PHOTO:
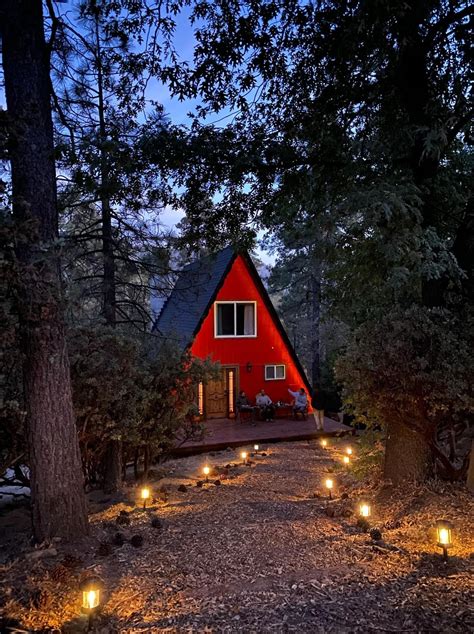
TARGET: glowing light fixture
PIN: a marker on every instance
(329, 484)
(145, 495)
(231, 391)
(444, 536)
(206, 470)
(346, 460)
(91, 589)
(201, 398)
(365, 510)
(324, 443)
(243, 455)
(349, 451)
(256, 448)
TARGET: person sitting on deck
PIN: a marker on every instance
(243, 405)
(265, 406)
(300, 404)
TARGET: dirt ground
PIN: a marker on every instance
(264, 551)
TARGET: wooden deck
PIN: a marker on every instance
(223, 432)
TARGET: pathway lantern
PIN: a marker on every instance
(91, 589)
(206, 470)
(329, 484)
(346, 460)
(444, 536)
(365, 509)
(243, 455)
(145, 495)
(349, 451)
(256, 448)
(324, 443)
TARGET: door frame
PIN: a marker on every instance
(231, 386)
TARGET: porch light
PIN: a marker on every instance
(329, 484)
(365, 510)
(444, 536)
(243, 455)
(346, 460)
(206, 470)
(91, 589)
(145, 495)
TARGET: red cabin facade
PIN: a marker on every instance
(238, 327)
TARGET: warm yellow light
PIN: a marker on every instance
(329, 483)
(364, 510)
(206, 471)
(231, 391)
(91, 589)
(256, 447)
(324, 443)
(444, 536)
(349, 451)
(346, 460)
(201, 398)
(243, 455)
(145, 493)
(90, 599)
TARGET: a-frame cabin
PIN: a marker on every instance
(219, 308)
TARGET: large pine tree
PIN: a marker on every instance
(57, 493)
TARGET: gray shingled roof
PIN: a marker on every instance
(192, 296)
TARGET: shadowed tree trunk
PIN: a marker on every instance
(57, 492)
(315, 319)
(407, 456)
(113, 454)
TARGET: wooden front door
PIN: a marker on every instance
(220, 394)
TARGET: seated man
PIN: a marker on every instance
(265, 405)
(243, 405)
(301, 402)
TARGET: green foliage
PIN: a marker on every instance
(130, 389)
(417, 367)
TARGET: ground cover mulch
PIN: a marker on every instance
(263, 551)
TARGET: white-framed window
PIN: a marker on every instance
(235, 319)
(275, 372)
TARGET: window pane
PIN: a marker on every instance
(270, 372)
(245, 319)
(225, 319)
(280, 371)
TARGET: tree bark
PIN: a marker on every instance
(57, 484)
(408, 455)
(113, 453)
(470, 470)
(316, 320)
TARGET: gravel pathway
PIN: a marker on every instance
(267, 552)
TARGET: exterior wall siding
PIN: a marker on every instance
(266, 348)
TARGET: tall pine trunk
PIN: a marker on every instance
(57, 491)
(315, 319)
(407, 454)
(112, 466)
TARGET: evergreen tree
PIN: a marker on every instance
(57, 495)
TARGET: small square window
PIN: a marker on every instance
(274, 372)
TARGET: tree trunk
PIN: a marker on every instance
(57, 484)
(470, 470)
(113, 466)
(113, 453)
(316, 321)
(407, 455)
